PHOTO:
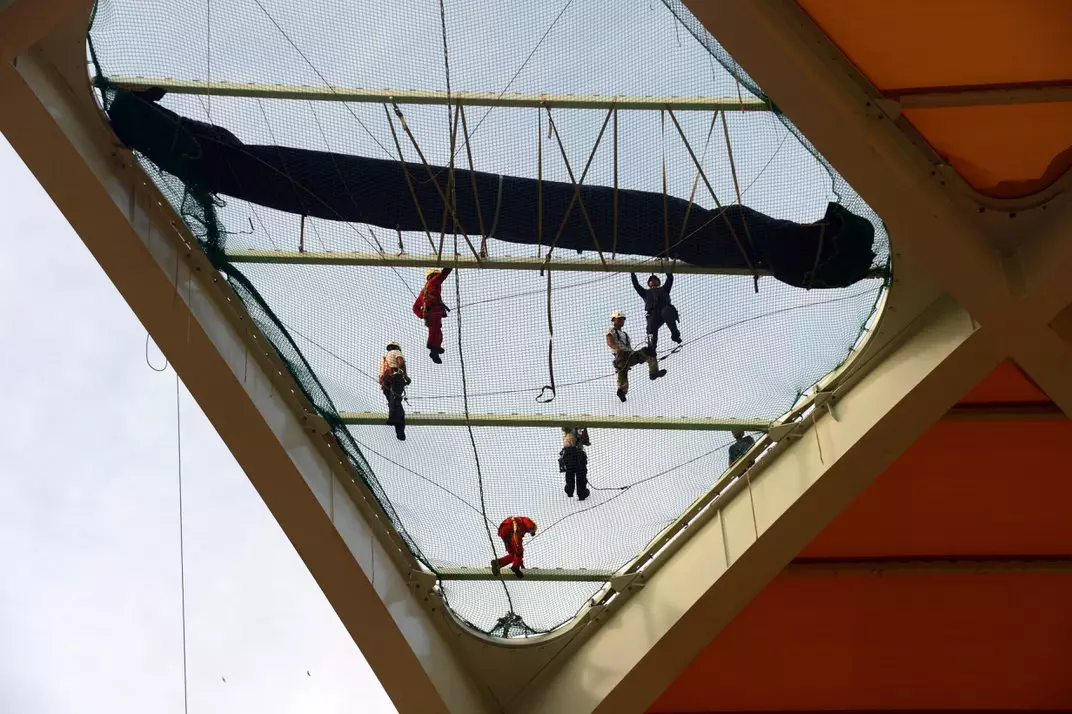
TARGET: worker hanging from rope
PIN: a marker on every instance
(393, 382)
(513, 531)
(657, 308)
(625, 357)
(573, 461)
(430, 307)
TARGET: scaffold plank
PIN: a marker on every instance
(428, 260)
(420, 96)
(541, 574)
(560, 420)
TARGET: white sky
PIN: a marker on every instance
(89, 596)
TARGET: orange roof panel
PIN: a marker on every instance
(923, 43)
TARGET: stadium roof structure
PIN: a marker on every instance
(843, 355)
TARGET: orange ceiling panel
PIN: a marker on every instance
(820, 642)
(941, 43)
(965, 488)
(1003, 151)
(1007, 383)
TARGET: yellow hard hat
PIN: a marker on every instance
(616, 314)
(431, 272)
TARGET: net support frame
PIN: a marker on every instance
(560, 420)
(413, 260)
(531, 574)
(434, 97)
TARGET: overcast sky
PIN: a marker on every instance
(90, 617)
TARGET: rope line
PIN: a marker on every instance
(182, 549)
(737, 189)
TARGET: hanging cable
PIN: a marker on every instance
(550, 351)
(476, 193)
(666, 199)
(539, 183)
(737, 189)
(148, 362)
(614, 239)
(182, 551)
(409, 181)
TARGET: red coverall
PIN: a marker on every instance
(429, 307)
(512, 531)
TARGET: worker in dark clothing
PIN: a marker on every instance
(740, 447)
(393, 382)
(657, 308)
(430, 307)
(573, 462)
(513, 531)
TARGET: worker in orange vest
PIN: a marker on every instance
(512, 531)
(430, 307)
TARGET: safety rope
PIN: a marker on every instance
(182, 549)
(435, 182)
(468, 424)
(452, 200)
(714, 196)
(576, 199)
(666, 199)
(737, 190)
(409, 183)
(614, 244)
(695, 184)
(539, 183)
(550, 351)
(472, 178)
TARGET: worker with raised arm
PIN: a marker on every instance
(430, 307)
(624, 355)
(513, 531)
(393, 381)
(657, 307)
(573, 461)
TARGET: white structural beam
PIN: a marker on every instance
(411, 96)
(428, 260)
(961, 242)
(49, 118)
(753, 534)
(559, 420)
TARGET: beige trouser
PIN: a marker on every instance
(630, 359)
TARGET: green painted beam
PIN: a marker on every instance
(427, 260)
(531, 574)
(560, 420)
(411, 96)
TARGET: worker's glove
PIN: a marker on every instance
(408, 381)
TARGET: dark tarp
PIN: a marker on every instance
(836, 252)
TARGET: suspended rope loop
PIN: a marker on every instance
(550, 350)
(721, 208)
(148, 361)
(472, 178)
(435, 182)
(539, 183)
(576, 199)
(737, 189)
(614, 244)
(409, 184)
(448, 208)
(666, 201)
(696, 181)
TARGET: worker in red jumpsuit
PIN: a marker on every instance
(429, 307)
(512, 531)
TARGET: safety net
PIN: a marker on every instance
(327, 155)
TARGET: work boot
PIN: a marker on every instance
(657, 374)
(676, 337)
(400, 431)
(569, 491)
(581, 495)
(621, 394)
(434, 354)
(495, 567)
(517, 571)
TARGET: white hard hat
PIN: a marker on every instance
(616, 314)
(394, 343)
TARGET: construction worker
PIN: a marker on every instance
(573, 462)
(657, 307)
(393, 382)
(624, 356)
(740, 447)
(430, 307)
(512, 531)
